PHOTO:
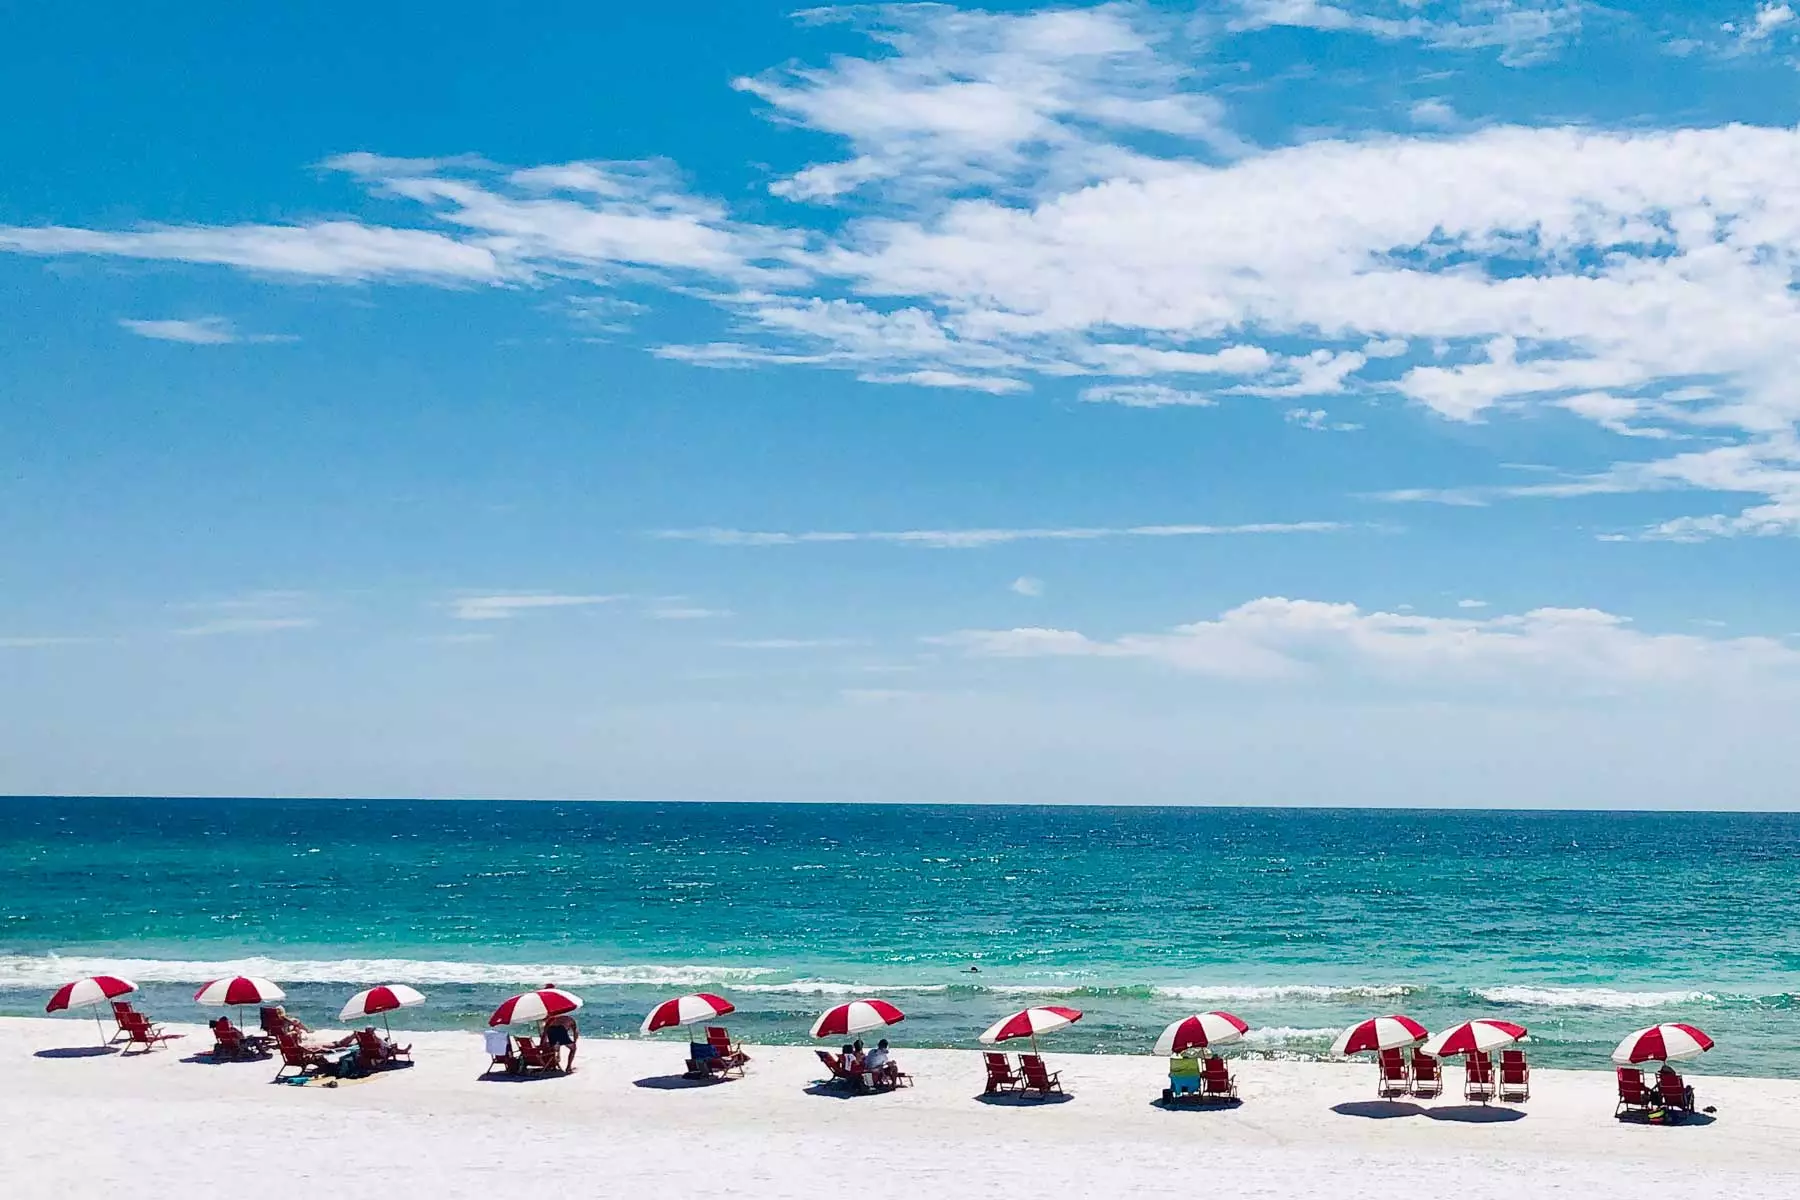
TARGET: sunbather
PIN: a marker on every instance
(880, 1062)
(561, 1032)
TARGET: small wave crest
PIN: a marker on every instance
(51, 970)
(1284, 1035)
(1295, 991)
(1590, 997)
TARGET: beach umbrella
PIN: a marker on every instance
(540, 1005)
(1380, 1033)
(383, 1000)
(1030, 1022)
(1201, 1031)
(90, 993)
(686, 1010)
(235, 991)
(1474, 1037)
(1662, 1043)
(858, 1016)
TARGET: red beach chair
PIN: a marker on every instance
(1037, 1078)
(376, 1052)
(1393, 1080)
(140, 1032)
(229, 1041)
(1478, 1076)
(535, 1057)
(730, 1051)
(1633, 1095)
(1673, 1091)
(298, 1059)
(1216, 1082)
(1000, 1076)
(1515, 1076)
(1427, 1076)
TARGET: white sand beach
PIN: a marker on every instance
(154, 1125)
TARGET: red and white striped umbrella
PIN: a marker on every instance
(1201, 1031)
(1380, 1033)
(858, 1016)
(1474, 1037)
(540, 1005)
(1029, 1023)
(686, 1010)
(84, 992)
(384, 999)
(1662, 1043)
(239, 990)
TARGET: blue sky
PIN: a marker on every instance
(1269, 401)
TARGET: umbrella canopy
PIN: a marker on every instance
(238, 990)
(383, 999)
(1201, 1031)
(1474, 1037)
(540, 1005)
(1380, 1033)
(858, 1016)
(85, 992)
(686, 1010)
(1662, 1043)
(1030, 1022)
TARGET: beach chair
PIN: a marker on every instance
(840, 1074)
(140, 1032)
(1037, 1078)
(1673, 1091)
(1000, 1076)
(273, 1020)
(1633, 1095)
(1427, 1076)
(534, 1056)
(122, 1015)
(1216, 1082)
(1515, 1077)
(229, 1041)
(730, 1051)
(378, 1052)
(299, 1060)
(1184, 1078)
(1478, 1076)
(1393, 1079)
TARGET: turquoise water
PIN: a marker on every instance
(1581, 926)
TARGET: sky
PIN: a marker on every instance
(1249, 402)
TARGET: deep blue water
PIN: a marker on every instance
(1581, 926)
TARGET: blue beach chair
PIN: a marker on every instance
(1184, 1077)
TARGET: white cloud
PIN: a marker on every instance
(1027, 585)
(969, 539)
(1145, 395)
(1524, 31)
(1471, 604)
(1763, 23)
(794, 643)
(1434, 113)
(31, 642)
(504, 606)
(229, 625)
(687, 612)
(1277, 638)
(198, 331)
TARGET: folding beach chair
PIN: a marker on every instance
(1478, 1076)
(298, 1060)
(1427, 1076)
(1184, 1078)
(1037, 1078)
(1515, 1076)
(1673, 1091)
(140, 1032)
(1393, 1079)
(1000, 1076)
(1633, 1095)
(1216, 1082)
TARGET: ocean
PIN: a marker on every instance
(1579, 925)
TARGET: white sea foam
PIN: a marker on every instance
(831, 987)
(1297, 991)
(1590, 997)
(41, 970)
(1281, 1035)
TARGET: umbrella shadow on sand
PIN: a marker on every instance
(1211, 1106)
(75, 1052)
(1695, 1119)
(1377, 1110)
(1468, 1114)
(206, 1058)
(675, 1083)
(522, 1077)
(1014, 1100)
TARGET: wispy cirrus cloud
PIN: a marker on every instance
(1054, 199)
(974, 539)
(197, 331)
(269, 610)
(503, 606)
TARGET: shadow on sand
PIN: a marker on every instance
(1475, 1114)
(75, 1052)
(1695, 1119)
(509, 1077)
(1225, 1105)
(1021, 1100)
(1377, 1110)
(677, 1083)
(205, 1058)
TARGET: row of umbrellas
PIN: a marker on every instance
(1657, 1043)
(1672, 1042)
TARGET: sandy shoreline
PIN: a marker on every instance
(622, 1126)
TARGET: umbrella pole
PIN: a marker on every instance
(98, 1027)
